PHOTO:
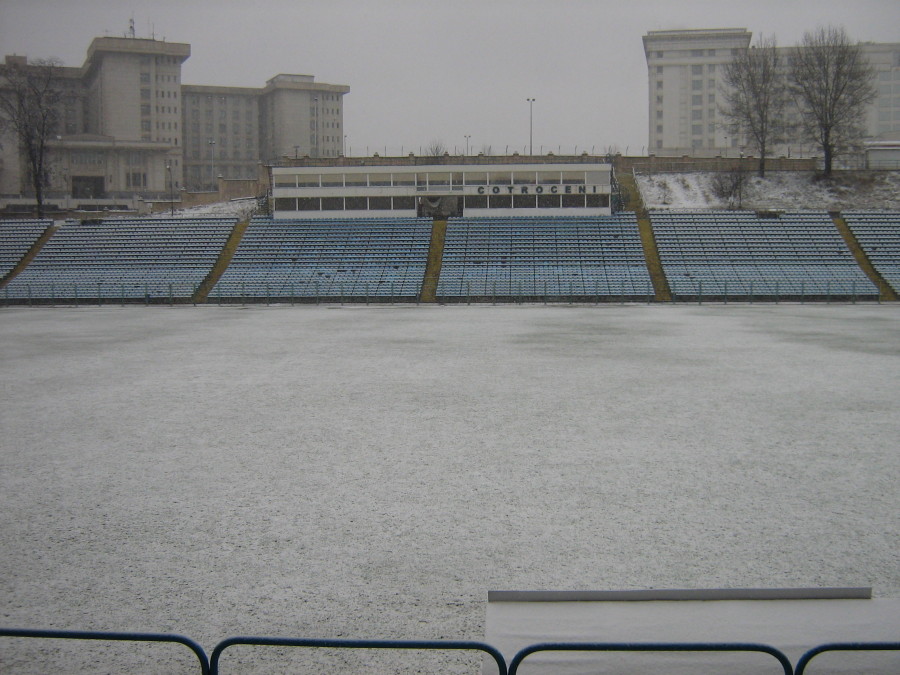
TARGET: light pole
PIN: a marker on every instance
(212, 151)
(530, 125)
(171, 196)
(467, 144)
(316, 122)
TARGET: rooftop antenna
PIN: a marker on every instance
(131, 27)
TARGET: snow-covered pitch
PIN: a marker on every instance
(372, 472)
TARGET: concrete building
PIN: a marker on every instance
(373, 187)
(130, 130)
(684, 75)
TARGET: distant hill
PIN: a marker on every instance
(787, 190)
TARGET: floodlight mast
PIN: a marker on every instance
(530, 125)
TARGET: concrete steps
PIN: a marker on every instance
(234, 239)
(633, 202)
(885, 292)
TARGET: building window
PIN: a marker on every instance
(659, 128)
(379, 203)
(548, 201)
(711, 68)
(659, 55)
(308, 204)
(524, 201)
(696, 129)
(711, 98)
(697, 85)
(696, 52)
(659, 114)
(659, 99)
(659, 70)
(659, 84)
(696, 70)
(697, 99)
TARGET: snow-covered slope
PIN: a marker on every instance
(778, 190)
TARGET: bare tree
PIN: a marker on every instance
(832, 84)
(729, 186)
(435, 149)
(30, 97)
(754, 97)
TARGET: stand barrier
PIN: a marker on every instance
(210, 665)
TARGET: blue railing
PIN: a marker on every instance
(844, 647)
(430, 645)
(210, 665)
(649, 647)
(116, 637)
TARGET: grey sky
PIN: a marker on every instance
(422, 70)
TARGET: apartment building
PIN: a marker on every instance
(684, 74)
(130, 129)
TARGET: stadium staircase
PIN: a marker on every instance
(234, 239)
(435, 257)
(885, 292)
(633, 202)
(29, 256)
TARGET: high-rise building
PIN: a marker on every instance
(130, 129)
(684, 75)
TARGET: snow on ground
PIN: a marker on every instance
(236, 208)
(786, 190)
(371, 472)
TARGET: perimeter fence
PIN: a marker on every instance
(210, 664)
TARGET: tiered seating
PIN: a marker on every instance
(328, 258)
(878, 233)
(16, 239)
(124, 258)
(738, 253)
(544, 256)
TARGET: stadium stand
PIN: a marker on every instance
(149, 259)
(358, 258)
(744, 254)
(536, 257)
(16, 239)
(878, 233)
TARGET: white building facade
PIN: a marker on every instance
(130, 129)
(480, 186)
(685, 71)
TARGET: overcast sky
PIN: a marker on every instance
(423, 70)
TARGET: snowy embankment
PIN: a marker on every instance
(787, 190)
(236, 208)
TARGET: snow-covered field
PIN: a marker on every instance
(785, 190)
(372, 472)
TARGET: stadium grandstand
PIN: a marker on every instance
(737, 253)
(544, 258)
(19, 237)
(383, 258)
(878, 234)
(455, 229)
(727, 255)
(124, 259)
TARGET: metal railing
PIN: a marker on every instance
(112, 637)
(209, 665)
(649, 647)
(800, 668)
(425, 645)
